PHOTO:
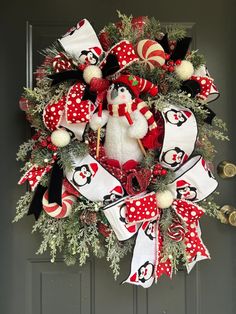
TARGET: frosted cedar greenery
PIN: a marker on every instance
(72, 237)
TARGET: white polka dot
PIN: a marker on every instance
(132, 209)
(78, 100)
(138, 203)
(193, 213)
(189, 245)
(52, 108)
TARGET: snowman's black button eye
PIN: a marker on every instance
(122, 89)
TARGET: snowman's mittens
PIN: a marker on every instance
(139, 128)
(97, 122)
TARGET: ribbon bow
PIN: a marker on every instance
(92, 81)
(140, 215)
(147, 262)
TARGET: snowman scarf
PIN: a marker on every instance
(121, 110)
(140, 216)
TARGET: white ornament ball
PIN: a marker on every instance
(184, 70)
(60, 138)
(164, 199)
(90, 72)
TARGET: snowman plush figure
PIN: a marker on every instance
(127, 119)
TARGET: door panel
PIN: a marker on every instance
(31, 284)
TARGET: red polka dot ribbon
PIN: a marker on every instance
(205, 84)
(142, 208)
(75, 108)
(190, 213)
(34, 175)
(148, 261)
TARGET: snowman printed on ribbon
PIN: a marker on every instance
(93, 181)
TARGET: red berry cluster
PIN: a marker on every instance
(158, 170)
(170, 65)
(46, 142)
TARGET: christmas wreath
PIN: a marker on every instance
(121, 155)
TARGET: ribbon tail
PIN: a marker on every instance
(144, 257)
(161, 267)
(65, 76)
(202, 252)
(36, 205)
(55, 185)
(164, 42)
(181, 48)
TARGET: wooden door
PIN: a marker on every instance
(30, 284)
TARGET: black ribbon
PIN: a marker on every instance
(36, 205)
(181, 48)
(55, 185)
(109, 68)
(54, 192)
(192, 88)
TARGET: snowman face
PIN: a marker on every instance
(145, 272)
(187, 192)
(118, 94)
(175, 117)
(82, 175)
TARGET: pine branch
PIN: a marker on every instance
(23, 206)
(25, 149)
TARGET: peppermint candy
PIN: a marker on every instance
(151, 53)
(56, 211)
